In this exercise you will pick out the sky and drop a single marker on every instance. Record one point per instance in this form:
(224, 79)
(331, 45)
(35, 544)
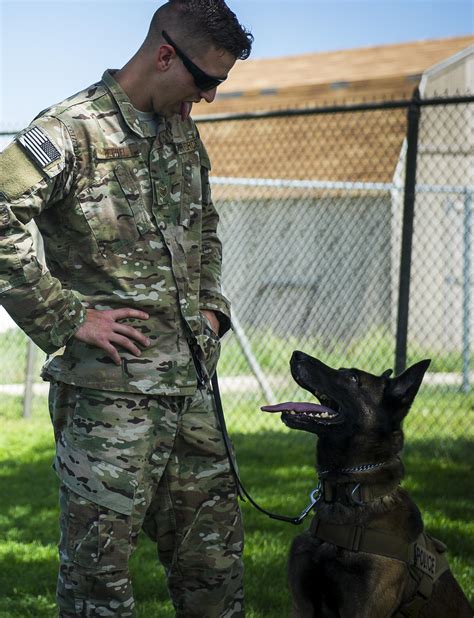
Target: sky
(52, 49)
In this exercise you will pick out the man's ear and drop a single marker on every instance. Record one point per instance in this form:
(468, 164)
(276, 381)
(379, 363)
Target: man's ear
(164, 55)
(401, 391)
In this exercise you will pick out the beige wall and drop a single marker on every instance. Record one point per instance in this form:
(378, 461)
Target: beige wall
(457, 76)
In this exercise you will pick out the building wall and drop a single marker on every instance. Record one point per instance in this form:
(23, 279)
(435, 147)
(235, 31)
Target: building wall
(316, 267)
(445, 159)
(451, 76)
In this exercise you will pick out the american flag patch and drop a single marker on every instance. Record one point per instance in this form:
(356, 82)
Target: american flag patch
(38, 144)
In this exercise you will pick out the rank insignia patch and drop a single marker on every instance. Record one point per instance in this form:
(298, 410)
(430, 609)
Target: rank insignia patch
(39, 146)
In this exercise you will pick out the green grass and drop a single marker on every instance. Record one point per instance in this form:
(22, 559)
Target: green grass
(373, 351)
(276, 467)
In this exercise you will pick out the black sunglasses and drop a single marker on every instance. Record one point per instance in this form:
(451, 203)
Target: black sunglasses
(202, 80)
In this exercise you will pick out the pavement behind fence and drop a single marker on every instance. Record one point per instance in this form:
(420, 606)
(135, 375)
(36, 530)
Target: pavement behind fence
(248, 383)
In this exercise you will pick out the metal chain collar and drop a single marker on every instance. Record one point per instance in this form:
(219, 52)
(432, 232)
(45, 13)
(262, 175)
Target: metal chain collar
(361, 468)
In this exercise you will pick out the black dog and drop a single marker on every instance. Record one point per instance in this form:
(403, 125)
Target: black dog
(365, 554)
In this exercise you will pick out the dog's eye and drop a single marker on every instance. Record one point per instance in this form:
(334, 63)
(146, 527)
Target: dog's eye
(353, 378)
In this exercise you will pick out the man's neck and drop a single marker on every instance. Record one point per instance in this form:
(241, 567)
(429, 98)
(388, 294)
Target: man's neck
(131, 79)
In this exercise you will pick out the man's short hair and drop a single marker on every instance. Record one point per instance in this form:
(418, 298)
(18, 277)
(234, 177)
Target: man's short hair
(199, 23)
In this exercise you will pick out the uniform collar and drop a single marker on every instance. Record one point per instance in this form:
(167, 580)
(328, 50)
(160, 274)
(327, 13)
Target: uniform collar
(176, 130)
(126, 108)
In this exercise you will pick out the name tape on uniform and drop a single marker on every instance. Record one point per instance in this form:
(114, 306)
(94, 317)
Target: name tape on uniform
(36, 142)
(188, 146)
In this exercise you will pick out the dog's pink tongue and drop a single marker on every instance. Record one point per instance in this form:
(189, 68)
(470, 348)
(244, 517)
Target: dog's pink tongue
(185, 110)
(292, 406)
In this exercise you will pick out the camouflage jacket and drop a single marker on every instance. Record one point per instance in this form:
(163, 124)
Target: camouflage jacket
(127, 220)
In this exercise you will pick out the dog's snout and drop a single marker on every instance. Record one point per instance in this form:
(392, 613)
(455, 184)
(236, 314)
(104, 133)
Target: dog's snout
(297, 356)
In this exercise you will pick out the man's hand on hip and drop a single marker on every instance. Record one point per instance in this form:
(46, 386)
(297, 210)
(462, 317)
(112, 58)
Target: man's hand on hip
(102, 330)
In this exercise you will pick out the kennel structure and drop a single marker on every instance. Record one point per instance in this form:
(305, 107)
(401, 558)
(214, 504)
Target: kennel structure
(311, 204)
(441, 296)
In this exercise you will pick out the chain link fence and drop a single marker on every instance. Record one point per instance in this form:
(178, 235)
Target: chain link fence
(326, 233)
(315, 213)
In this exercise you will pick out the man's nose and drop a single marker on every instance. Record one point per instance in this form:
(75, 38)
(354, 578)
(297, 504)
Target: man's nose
(209, 95)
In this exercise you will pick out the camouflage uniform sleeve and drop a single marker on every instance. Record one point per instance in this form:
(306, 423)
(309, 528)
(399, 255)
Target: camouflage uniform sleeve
(32, 180)
(211, 296)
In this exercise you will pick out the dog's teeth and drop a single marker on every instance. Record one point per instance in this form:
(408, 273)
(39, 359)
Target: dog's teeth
(309, 414)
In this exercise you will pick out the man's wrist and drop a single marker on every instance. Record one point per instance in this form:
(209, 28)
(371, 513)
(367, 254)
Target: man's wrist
(212, 318)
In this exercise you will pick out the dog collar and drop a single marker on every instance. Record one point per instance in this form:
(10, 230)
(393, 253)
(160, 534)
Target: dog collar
(361, 468)
(354, 492)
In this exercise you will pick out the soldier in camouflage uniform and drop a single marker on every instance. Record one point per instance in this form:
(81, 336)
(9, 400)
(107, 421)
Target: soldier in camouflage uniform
(116, 178)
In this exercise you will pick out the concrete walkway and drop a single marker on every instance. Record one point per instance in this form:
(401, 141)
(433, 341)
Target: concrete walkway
(248, 383)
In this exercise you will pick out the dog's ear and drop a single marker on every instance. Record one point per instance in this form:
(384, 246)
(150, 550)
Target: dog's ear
(387, 374)
(401, 390)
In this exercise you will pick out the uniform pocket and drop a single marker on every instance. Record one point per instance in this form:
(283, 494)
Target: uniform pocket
(186, 195)
(132, 193)
(16, 252)
(114, 209)
(97, 414)
(13, 275)
(92, 536)
(113, 420)
(191, 190)
(91, 477)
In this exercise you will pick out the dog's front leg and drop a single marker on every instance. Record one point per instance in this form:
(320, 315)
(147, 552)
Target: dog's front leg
(299, 569)
(299, 575)
(306, 580)
(306, 611)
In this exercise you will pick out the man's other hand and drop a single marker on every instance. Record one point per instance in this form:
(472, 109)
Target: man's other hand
(212, 319)
(102, 330)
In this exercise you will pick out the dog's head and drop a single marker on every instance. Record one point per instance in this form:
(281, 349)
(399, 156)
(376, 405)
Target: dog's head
(354, 404)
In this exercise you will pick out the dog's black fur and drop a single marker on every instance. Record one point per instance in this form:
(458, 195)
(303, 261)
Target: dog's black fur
(332, 582)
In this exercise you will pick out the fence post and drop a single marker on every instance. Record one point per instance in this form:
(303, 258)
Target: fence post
(467, 275)
(413, 125)
(29, 379)
(251, 360)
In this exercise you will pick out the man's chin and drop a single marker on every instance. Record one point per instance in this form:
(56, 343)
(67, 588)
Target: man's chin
(183, 110)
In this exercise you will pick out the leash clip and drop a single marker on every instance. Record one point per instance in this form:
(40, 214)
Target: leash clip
(317, 490)
(353, 498)
(315, 496)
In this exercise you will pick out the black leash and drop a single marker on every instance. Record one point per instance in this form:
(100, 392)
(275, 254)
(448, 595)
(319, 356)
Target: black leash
(314, 495)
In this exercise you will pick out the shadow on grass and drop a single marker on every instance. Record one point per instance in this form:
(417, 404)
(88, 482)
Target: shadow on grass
(278, 471)
(28, 524)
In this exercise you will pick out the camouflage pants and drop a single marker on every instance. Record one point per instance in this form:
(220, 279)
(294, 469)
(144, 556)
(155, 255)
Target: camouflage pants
(129, 462)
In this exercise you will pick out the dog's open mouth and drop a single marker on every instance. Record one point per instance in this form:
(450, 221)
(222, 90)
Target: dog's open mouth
(306, 412)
